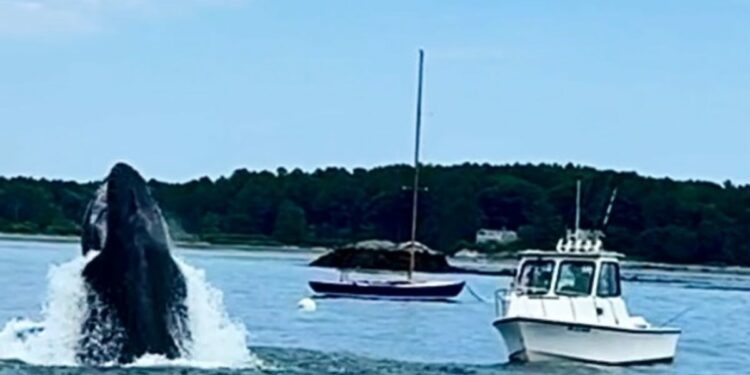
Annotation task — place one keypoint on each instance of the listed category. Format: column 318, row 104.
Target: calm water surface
column 344, row 336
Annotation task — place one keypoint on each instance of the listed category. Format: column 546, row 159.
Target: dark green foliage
column 33, row 206
column 291, row 225
column 653, row 219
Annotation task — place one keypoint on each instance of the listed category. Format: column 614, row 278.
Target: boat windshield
column 575, row 278
column 535, row 277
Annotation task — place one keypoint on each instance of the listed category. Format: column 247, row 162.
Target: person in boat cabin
column 536, row 277
column 575, row 278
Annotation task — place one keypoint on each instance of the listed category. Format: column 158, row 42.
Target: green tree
column 290, row 225
column 670, row 244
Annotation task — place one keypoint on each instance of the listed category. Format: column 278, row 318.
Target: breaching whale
column 135, row 290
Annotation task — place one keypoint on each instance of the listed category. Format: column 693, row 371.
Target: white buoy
column 307, row 304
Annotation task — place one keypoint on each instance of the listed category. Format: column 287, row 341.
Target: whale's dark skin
column 136, row 292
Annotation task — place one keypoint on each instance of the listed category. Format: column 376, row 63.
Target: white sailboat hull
column 531, row 339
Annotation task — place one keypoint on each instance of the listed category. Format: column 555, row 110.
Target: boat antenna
column 578, row 206
column 609, row 208
column 415, row 196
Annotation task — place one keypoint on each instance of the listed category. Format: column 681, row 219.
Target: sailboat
column 410, row 288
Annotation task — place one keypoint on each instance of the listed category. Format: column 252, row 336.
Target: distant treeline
column 652, row 219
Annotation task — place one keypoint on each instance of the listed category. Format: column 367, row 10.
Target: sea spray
column 216, row 340
column 54, row 339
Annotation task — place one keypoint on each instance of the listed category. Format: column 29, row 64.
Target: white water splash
column 217, row 341
column 53, row 340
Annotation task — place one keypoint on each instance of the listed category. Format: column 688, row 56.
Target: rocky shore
column 384, row 255
column 389, row 256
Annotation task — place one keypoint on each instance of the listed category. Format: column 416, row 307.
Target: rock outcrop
column 384, row 255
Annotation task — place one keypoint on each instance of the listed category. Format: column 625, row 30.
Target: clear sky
column 185, row 88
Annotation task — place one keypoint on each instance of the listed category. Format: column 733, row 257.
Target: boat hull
column 529, row 339
column 421, row 291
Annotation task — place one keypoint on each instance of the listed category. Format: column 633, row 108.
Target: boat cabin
column 578, row 282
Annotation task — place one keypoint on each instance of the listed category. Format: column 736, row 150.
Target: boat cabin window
column 609, row 280
column 575, row 278
column 536, row 277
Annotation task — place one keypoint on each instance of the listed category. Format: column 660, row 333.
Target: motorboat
column 567, row 304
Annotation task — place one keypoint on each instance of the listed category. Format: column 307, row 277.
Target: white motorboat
column 567, row 304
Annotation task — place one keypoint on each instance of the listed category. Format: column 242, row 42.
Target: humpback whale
column 135, row 290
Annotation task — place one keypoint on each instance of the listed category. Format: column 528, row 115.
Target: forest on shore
column 655, row 219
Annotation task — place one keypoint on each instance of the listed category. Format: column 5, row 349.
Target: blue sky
column 199, row 87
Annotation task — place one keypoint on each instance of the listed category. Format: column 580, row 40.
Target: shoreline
column 480, row 266
column 39, row 238
column 193, row 245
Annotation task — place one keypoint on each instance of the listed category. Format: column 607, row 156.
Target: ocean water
column 246, row 321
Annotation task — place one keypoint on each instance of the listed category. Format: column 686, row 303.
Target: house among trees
column 500, row 237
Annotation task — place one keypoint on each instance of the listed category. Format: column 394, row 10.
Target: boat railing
column 501, row 303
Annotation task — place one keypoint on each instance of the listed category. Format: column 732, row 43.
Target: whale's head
column 124, row 215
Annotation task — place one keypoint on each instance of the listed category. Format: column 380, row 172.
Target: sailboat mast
column 415, row 191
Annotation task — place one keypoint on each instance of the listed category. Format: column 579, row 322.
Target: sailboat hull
column 428, row 290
